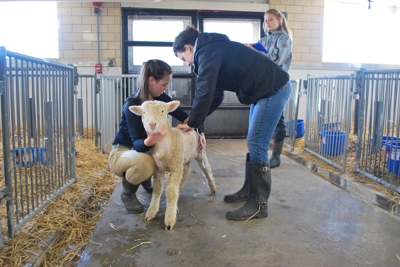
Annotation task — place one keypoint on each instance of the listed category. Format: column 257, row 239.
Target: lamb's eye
column 143, row 112
column 162, row 111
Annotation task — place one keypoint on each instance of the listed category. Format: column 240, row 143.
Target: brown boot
column 128, row 197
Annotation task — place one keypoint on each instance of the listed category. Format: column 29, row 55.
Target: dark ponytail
column 156, row 68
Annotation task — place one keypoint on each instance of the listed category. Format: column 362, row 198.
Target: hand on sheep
column 152, row 139
column 184, row 127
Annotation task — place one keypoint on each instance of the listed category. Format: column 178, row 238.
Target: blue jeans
column 263, row 118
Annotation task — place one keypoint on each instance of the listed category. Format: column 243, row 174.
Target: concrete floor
column 311, row 222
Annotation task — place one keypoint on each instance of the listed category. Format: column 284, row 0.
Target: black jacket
column 131, row 131
column 222, row 65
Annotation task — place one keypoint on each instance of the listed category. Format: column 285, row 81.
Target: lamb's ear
column 173, row 105
column 136, row 110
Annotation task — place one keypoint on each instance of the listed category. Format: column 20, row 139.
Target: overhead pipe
column 97, row 11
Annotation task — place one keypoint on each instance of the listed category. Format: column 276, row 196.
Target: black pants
column 280, row 130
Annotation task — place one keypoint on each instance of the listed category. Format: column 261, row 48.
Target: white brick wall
column 78, row 33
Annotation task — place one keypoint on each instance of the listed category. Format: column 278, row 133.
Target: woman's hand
column 250, row 46
column 186, row 121
column 184, row 127
column 152, row 139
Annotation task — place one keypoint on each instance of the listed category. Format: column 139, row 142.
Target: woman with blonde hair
column 278, row 44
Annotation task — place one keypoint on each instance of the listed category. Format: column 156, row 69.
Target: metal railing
column 378, row 144
column 114, row 89
column 328, row 118
column 291, row 115
column 87, row 107
column 37, row 117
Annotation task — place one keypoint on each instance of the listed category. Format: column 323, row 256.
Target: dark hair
column 155, row 68
column 283, row 25
column 188, row 36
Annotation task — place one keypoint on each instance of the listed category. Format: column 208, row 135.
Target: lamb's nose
column 152, row 125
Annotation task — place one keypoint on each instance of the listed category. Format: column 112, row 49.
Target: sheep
column 172, row 154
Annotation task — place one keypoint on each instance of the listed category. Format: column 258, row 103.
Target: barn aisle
column 311, row 223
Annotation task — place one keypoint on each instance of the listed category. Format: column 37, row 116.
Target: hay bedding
column 69, row 220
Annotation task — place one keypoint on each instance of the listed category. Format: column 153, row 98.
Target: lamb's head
column 154, row 114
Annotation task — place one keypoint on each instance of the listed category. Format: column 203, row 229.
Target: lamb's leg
column 155, row 198
column 185, row 174
column 172, row 195
column 202, row 160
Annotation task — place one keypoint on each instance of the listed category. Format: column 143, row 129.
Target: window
column 353, row 33
column 150, row 35
column 239, row 30
column 29, row 28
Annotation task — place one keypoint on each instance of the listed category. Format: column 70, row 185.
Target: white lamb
column 172, row 154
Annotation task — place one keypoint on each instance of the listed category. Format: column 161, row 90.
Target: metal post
column 80, row 116
column 96, row 89
column 48, row 142
column 5, row 121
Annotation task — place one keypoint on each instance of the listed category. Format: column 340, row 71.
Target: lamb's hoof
column 169, row 227
column 149, row 217
column 213, row 190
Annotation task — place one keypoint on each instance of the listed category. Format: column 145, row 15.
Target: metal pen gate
column 114, row 89
column 87, row 107
column 378, row 144
column 328, row 118
column 291, row 114
column 37, row 120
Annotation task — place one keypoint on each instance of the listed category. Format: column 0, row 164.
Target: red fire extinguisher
column 98, row 68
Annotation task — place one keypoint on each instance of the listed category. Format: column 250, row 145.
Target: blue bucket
column 332, row 126
column 28, row 155
column 389, row 139
column 299, row 128
column 332, row 142
column 393, row 157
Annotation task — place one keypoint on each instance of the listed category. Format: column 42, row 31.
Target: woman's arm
column 209, row 63
column 281, row 50
column 136, row 130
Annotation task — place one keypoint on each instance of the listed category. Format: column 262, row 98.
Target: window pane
column 139, row 54
column 30, row 28
column 366, row 41
column 158, row 29
column 239, row 30
column 181, row 90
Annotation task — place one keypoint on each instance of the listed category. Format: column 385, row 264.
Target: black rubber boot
column 243, row 193
column 260, row 188
column 275, row 160
column 147, row 186
column 128, row 197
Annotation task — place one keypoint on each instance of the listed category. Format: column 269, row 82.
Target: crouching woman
column 129, row 157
